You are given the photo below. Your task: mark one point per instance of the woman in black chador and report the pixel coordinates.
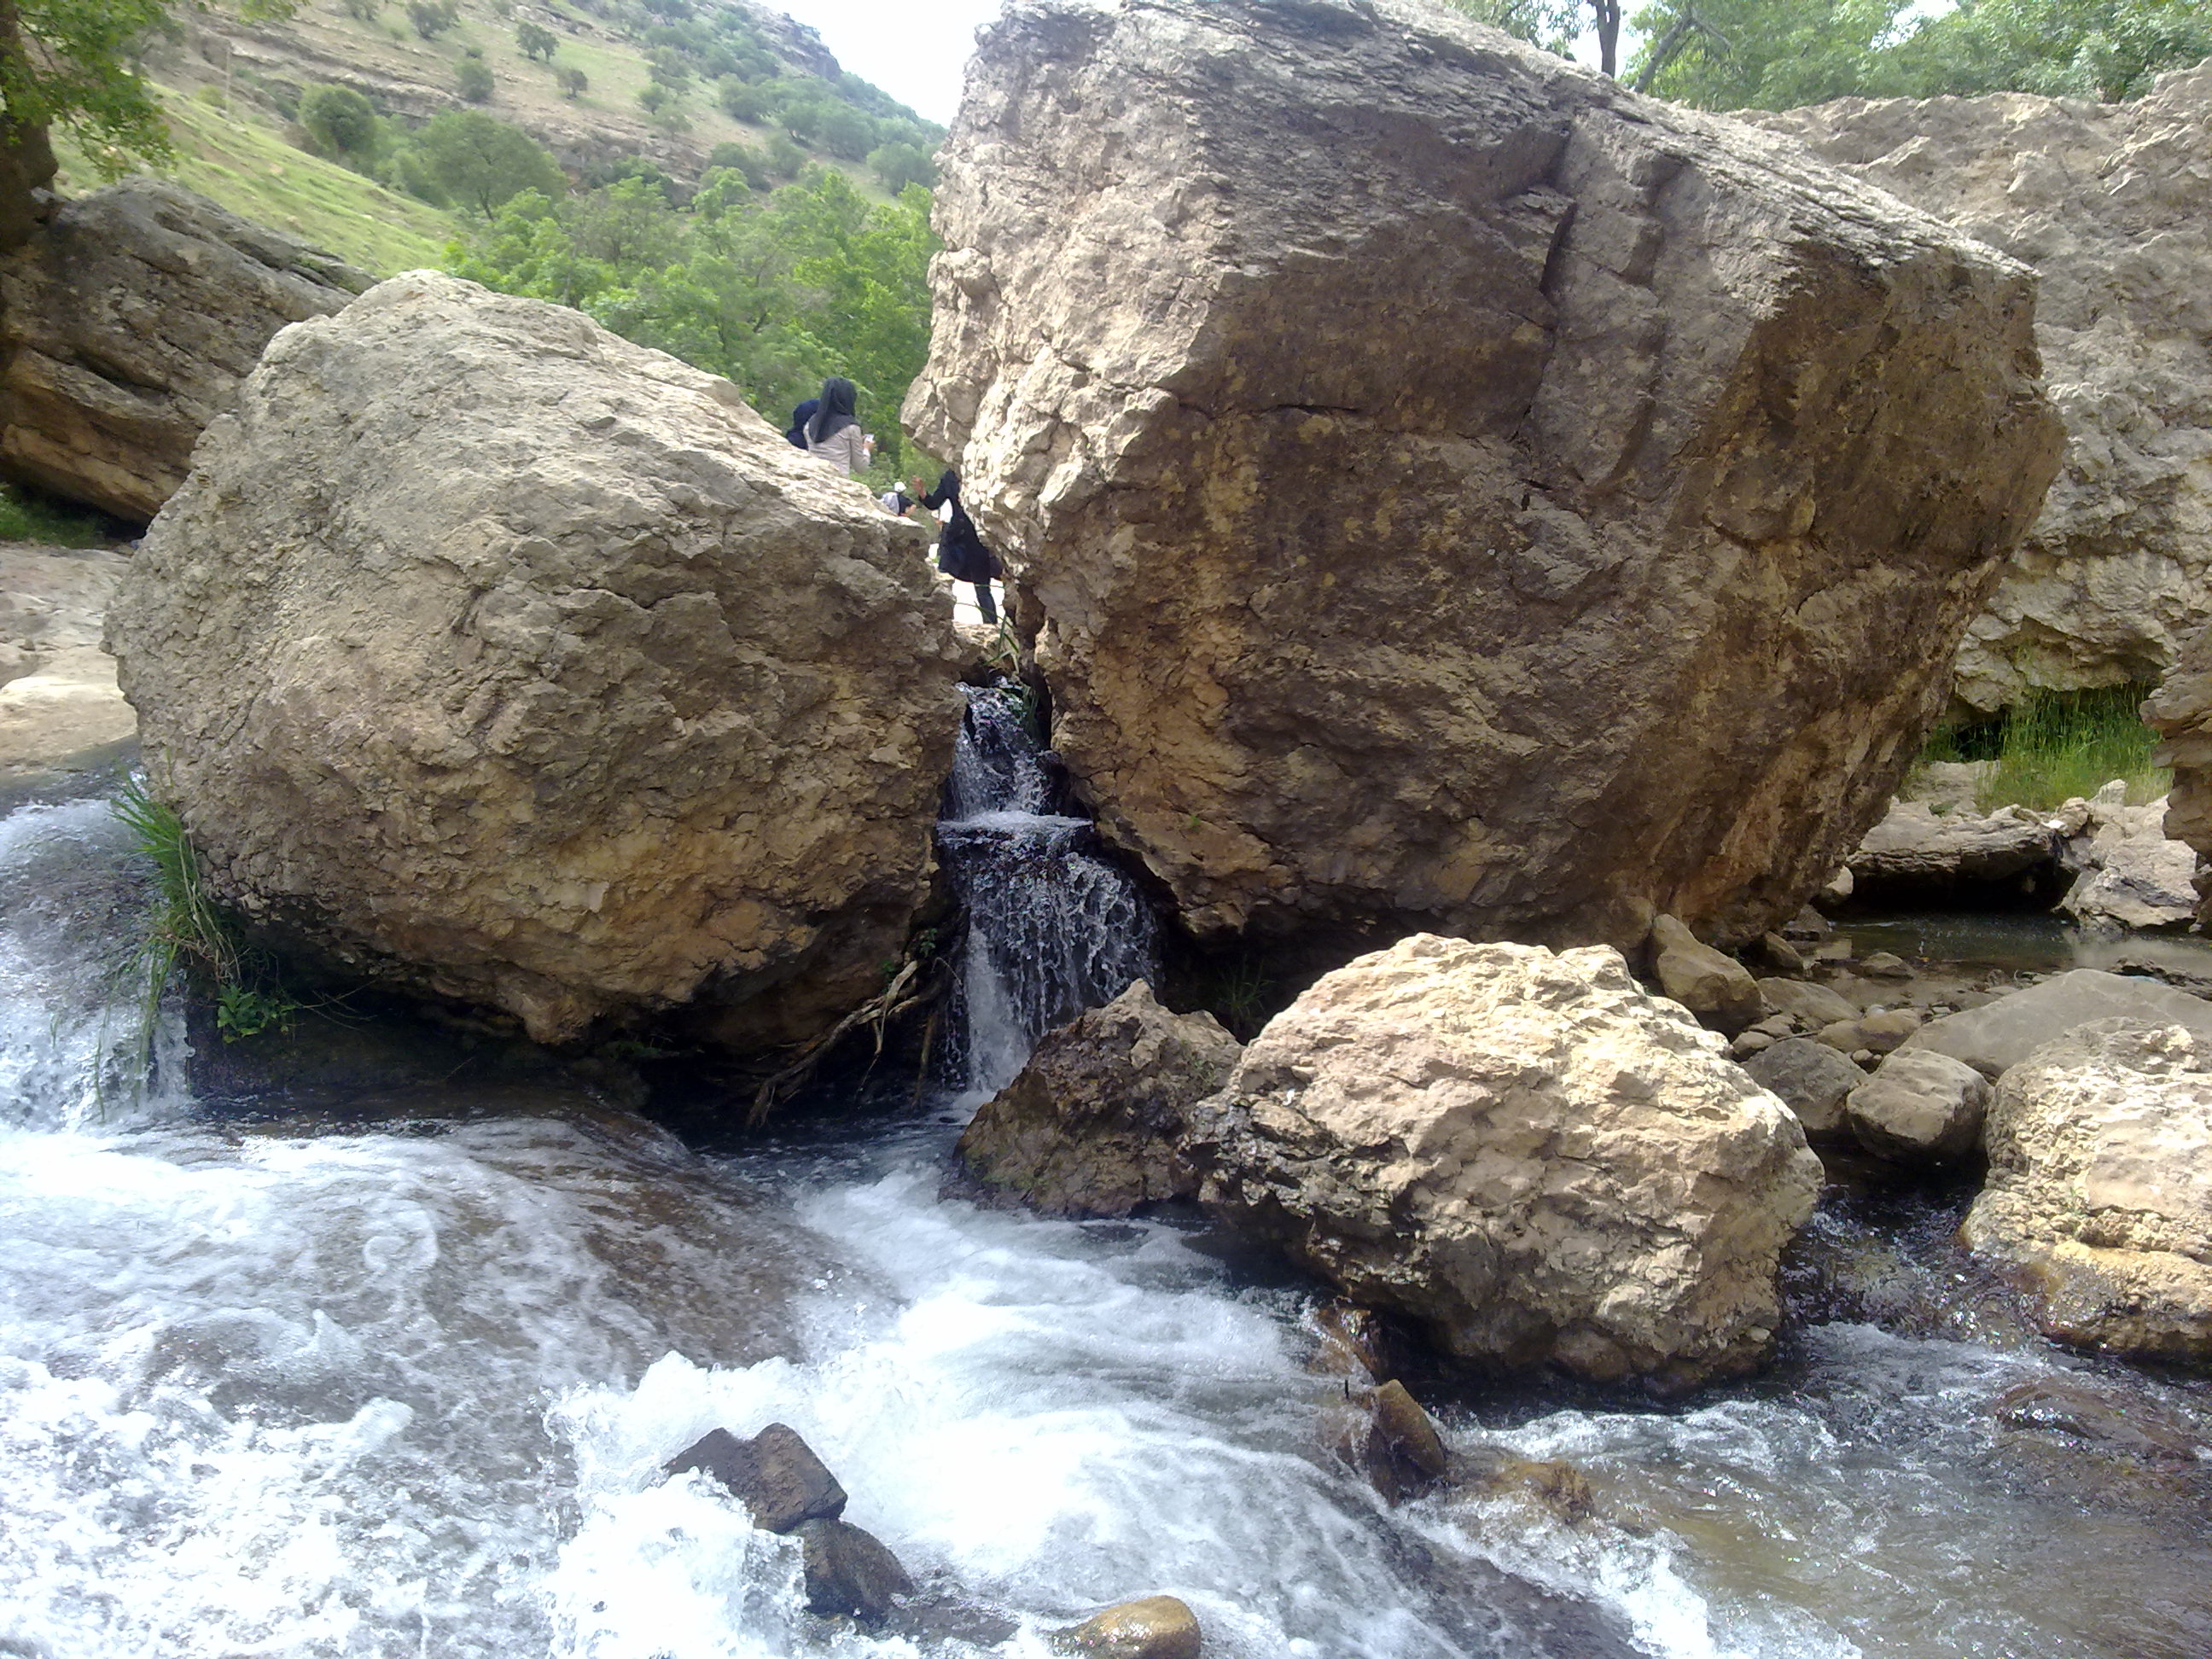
(961, 554)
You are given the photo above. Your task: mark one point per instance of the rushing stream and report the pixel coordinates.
(401, 1385)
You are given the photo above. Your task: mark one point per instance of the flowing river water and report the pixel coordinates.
(400, 1382)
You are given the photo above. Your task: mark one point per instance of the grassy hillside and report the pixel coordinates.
(240, 158)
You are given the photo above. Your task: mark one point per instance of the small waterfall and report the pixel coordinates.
(1053, 929)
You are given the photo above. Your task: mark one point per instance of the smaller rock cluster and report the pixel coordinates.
(852, 1573)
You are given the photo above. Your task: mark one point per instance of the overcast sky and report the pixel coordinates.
(914, 50)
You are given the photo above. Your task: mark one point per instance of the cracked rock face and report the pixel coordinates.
(125, 326)
(502, 659)
(2112, 204)
(1454, 492)
(2181, 714)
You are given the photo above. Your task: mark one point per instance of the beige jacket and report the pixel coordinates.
(847, 450)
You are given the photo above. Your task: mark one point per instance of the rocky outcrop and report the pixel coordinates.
(496, 656)
(2129, 874)
(1916, 854)
(1094, 1123)
(126, 324)
(2181, 712)
(1457, 493)
(1520, 1149)
(2100, 1192)
(58, 691)
(2112, 204)
(1997, 1035)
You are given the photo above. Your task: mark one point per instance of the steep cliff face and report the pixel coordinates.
(2112, 204)
(126, 323)
(506, 660)
(1454, 492)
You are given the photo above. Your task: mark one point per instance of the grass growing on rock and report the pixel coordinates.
(25, 516)
(2055, 745)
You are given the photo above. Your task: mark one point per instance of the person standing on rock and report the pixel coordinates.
(961, 554)
(834, 432)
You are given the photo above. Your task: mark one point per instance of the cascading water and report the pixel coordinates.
(1053, 929)
(405, 1390)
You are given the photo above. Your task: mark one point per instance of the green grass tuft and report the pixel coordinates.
(26, 517)
(2058, 744)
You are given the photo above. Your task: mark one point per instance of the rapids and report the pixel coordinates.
(401, 1385)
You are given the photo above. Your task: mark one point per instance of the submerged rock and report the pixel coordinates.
(850, 1570)
(1400, 1449)
(2099, 1199)
(1522, 1150)
(1094, 1124)
(492, 655)
(1457, 493)
(1999, 1035)
(2111, 203)
(1156, 1627)
(1919, 1106)
(126, 324)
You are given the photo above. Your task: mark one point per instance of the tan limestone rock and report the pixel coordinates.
(496, 656)
(1712, 985)
(1453, 492)
(1521, 1150)
(2180, 711)
(126, 323)
(2100, 1190)
(58, 691)
(2112, 204)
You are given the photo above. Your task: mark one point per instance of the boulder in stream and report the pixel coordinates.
(1094, 1123)
(850, 1570)
(126, 323)
(1154, 1627)
(1999, 1035)
(493, 656)
(2098, 1200)
(1453, 492)
(1915, 856)
(1712, 984)
(1811, 1078)
(775, 1475)
(1919, 1107)
(1520, 1149)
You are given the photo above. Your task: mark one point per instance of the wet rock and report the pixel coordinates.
(850, 1571)
(1355, 1341)
(1919, 1107)
(1094, 1122)
(1520, 1149)
(1813, 1006)
(1558, 1486)
(1401, 1452)
(1884, 964)
(126, 326)
(2003, 1033)
(2112, 204)
(2181, 712)
(1807, 927)
(2098, 1200)
(1429, 363)
(1716, 988)
(1917, 856)
(496, 657)
(1811, 1078)
(1156, 1627)
(2134, 1427)
(1871, 1033)
(775, 1474)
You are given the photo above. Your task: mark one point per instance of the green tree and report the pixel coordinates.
(1763, 54)
(363, 11)
(71, 63)
(432, 18)
(574, 83)
(340, 121)
(2103, 49)
(900, 165)
(534, 41)
(481, 162)
(742, 101)
(472, 76)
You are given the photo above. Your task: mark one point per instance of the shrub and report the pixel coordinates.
(574, 83)
(362, 11)
(473, 76)
(339, 119)
(742, 101)
(532, 41)
(900, 165)
(432, 18)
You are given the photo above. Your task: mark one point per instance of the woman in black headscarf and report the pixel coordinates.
(835, 432)
(961, 554)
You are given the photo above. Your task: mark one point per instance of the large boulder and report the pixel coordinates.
(2181, 712)
(1094, 1123)
(491, 653)
(1999, 1035)
(1520, 1149)
(1915, 855)
(1919, 1106)
(2100, 1193)
(2111, 203)
(1454, 492)
(126, 323)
